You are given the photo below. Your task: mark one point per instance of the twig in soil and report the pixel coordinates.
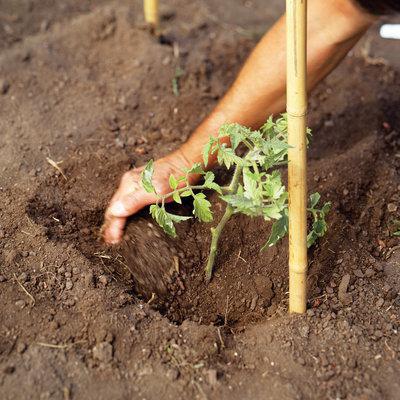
(390, 349)
(152, 298)
(59, 346)
(26, 292)
(132, 274)
(100, 255)
(56, 166)
(27, 233)
(200, 389)
(226, 311)
(176, 264)
(220, 338)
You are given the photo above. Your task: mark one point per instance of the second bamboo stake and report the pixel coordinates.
(151, 14)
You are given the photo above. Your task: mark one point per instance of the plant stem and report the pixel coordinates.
(216, 232)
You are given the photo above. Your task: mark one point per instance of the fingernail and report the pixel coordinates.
(118, 209)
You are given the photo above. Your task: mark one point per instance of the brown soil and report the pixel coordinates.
(92, 88)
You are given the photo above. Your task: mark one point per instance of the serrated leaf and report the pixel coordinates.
(186, 193)
(272, 211)
(273, 185)
(250, 183)
(326, 208)
(177, 197)
(147, 177)
(202, 208)
(173, 183)
(214, 186)
(165, 219)
(227, 156)
(278, 231)
(314, 199)
(196, 169)
(236, 133)
(178, 218)
(319, 229)
(209, 177)
(206, 152)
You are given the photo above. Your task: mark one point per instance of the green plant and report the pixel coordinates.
(256, 188)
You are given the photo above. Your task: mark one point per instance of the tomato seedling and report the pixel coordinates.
(256, 188)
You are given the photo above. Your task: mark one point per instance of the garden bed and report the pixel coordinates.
(91, 87)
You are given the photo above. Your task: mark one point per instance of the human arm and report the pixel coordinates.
(334, 27)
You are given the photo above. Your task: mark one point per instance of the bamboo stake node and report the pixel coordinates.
(296, 37)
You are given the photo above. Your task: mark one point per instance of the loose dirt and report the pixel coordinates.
(85, 85)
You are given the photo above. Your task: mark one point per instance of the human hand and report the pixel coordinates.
(130, 196)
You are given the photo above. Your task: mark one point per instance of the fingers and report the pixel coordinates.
(131, 203)
(129, 198)
(114, 230)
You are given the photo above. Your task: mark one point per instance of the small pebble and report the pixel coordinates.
(172, 374)
(20, 303)
(369, 272)
(301, 361)
(380, 302)
(212, 377)
(2, 278)
(358, 273)
(392, 207)
(69, 285)
(103, 279)
(103, 352)
(23, 277)
(88, 278)
(21, 347)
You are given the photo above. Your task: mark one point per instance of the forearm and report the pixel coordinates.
(334, 27)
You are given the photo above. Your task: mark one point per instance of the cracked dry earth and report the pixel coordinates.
(84, 83)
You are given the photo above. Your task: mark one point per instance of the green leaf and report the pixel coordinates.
(195, 169)
(326, 208)
(250, 183)
(202, 208)
(165, 219)
(319, 229)
(396, 233)
(210, 184)
(272, 211)
(178, 218)
(186, 193)
(214, 186)
(278, 231)
(177, 197)
(209, 177)
(273, 185)
(314, 199)
(227, 156)
(173, 183)
(147, 177)
(236, 133)
(206, 151)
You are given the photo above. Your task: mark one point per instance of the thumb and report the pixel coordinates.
(131, 203)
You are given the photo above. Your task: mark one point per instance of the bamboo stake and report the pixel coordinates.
(296, 36)
(151, 13)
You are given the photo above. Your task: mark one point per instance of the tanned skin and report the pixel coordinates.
(334, 27)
